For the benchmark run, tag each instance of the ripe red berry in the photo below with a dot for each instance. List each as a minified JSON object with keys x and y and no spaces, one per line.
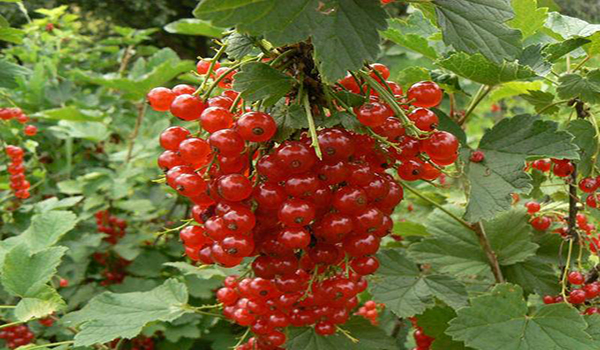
{"x":256,"y":127}
{"x":440,"y":145}
{"x":541,"y":223}
{"x":227,"y":142}
{"x":477,"y":157}
{"x":63,"y":283}
{"x":563,"y":168}
{"x":373,"y":114}
{"x":30,"y":130}
{"x":548,"y":299}
{"x":172,"y":137}
{"x":234,"y":187}
{"x":227,"y":80}
{"x":588,"y":184}
{"x":182,"y":89}
{"x":204,"y":64}
{"x":190,"y":185}
{"x":188,"y":107}
{"x":532,"y":207}
{"x":577,"y":296}
{"x":575,"y":277}
{"x":424,"y":119}
{"x":296,"y":213}
{"x":160,"y":99}
{"x":542,"y":165}
{"x":216,"y":118}
{"x":295,"y":157}
{"x":425,"y":94}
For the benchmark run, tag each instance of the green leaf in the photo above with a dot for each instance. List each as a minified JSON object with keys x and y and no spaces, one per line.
{"x":593,"y":329}
{"x":506,"y":147}
{"x":514,"y":88}
{"x":29,"y":308}
{"x":454,"y":249}
{"x":398,"y":31}
{"x":449,"y":125}
{"x":481,"y":70}
{"x":12,"y":35}
{"x":258,"y":81}
{"x":10,"y":73}
{"x":239,"y":46}
{"x":587,"y":87}
{"x":193,"y":26}
{"x":500,"y":320}
{"x":71,"y":113}
{"x":555,"y":51}
{"x":409,"y":228}
{"x":411,"y":75}
{"x":349,"y":98}
{"x":47,"y":228}
{"x":407,"y":292}
{"x":528,"y":17}
{"x":109,"y":316}
{"x":327,"y":23}
{"x":534,"y":276}
{"x":288,"y":121}
{"x":477,"y":26}
{"x":434,"y":323}
{"x":25,"y":274}
{"x":148,"y":264}
{"x":533,"y":57}
{"x":369,"y":338}
{"x":570,"y":27}
{"x":541,"y":100}
{"x":92,"y":131}
{"x":163,"y":66}
{"x":585,"y":138}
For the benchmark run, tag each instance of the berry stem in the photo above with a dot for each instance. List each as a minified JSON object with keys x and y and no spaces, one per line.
{"x":312,"y":127}
{"x":7,"y":306}
{"x":552,"y":105}
{"x":219,"y":78}
{"x":211,"y":68}
{"x":142,"y":107}
{"x":347,"y":334}
{"x":391,"y":101}
{"x":483,"y":91}
{"x":242,"y":339}
{"x":68,"y":342}
{"x":435,"y":204}
{"x":563,"y":281}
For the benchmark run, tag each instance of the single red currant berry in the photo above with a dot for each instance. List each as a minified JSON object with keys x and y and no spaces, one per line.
{"x":424,"y":119}
{"x":548,"y":299}
{"x":541,"y":223}
{"x":563,"y":168}
{"x":542,"y":165}
{"x":188,"y":107}
{"x":373,"y":114}
{"x":204,"y":64}
{"x":589,"y":184}
{"x":410,"y":170}
{"x":216,"y":118}
{"x":172,"y":137}
{"x":382,"y":71}
{"x":194,"y":151}
{"x":227,"y":80}
{"x":575,"y":277}
{"x":532,"y":207}
{"x":161,"y":98}
{"x":190,"y":185}
{"x":296,"y":213}
{"x":592,"y":201}
{"x":183,"y":89}
{"x":477,"y":157}
{"x":440,"y":145}
{"x":227,"y":142}
{"x":577,"y":296}
{"x":425,"y":94}
{"x":30,"y":130}
{"x":234,"y":187}
{"x":295,"y":157}
{"x":325,"y":328}
{"x":256,"y":127}
{"x":63,"y":283}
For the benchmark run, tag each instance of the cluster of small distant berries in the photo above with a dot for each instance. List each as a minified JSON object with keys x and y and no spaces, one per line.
{"x":581,"y":293}
{"x":16,"y":336}
{"x":14,"y":113}
{"x":16,"y":168}
{"x":110,"y":225}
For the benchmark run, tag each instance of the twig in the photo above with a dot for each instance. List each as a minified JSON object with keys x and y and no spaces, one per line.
{"x":312,"y":129}
{"x":138,"y":122}
{"x":484,"y":90}
{"x":126,"y":58}
{"x":489,"y":252}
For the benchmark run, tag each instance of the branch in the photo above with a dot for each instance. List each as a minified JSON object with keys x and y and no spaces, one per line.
{"x":138,"y":122}
{"x":481,"y":94}
{"x":489,"y":252}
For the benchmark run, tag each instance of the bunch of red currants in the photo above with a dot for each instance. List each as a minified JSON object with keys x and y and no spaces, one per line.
{"x":311,"y":223}
{"x":17,"y":114}
{"x":110,"y":225}
{"x":16,"y":336}
{"x":16,"y":169}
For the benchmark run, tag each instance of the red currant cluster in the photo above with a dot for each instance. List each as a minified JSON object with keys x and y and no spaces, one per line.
{"x":559,"y":167}
{"x":16,"y":336}
{"x":312,"y":224}
{"x":46,"y":322}
{"x":114,"y":268}
{"x":581,"y":292}
{"x":16,"y":169}
{"x":370,"y":311}
{"x":423,"y":340}
{"x":18,"y":115}
{"x":139,"y":343}
{"x":419,"y":156}
{"x":113,"y":226}
{"x":544,"y":222}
